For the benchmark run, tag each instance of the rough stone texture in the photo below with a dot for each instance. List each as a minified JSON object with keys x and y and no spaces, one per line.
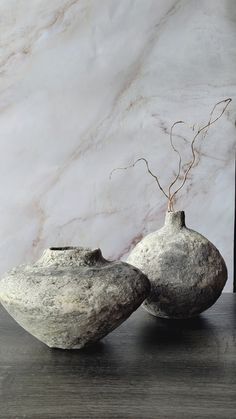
{"x":72,"y":296}
{"x":186,"y":271}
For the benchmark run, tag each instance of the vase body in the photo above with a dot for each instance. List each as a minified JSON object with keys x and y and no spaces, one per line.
{"x":72,"y":296}
{"x":186,"y":271}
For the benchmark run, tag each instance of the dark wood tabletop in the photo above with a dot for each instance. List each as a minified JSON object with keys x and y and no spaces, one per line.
{"x":147,"y":368}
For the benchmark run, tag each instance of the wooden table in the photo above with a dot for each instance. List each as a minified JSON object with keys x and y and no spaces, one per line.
{"x":147,"y":368}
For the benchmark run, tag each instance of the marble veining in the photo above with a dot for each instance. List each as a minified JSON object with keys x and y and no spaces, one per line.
{"x":88,"y":86}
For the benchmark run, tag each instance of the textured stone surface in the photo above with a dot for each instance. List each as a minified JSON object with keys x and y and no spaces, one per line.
{"x":90,"y":85}
{"x":72,"y":296}
{"x":186,"y":271}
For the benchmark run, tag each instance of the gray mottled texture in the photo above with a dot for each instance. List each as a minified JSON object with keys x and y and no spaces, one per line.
{"x":186,"y":271}
{"x":72,"y":296}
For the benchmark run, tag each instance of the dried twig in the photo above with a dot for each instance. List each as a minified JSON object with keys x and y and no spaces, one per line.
{"x":170,"y":204}
{"x":205,"y":127}
{"x":176,"y":151}
{"x":170,"y":196}
{"x":148,"y":169}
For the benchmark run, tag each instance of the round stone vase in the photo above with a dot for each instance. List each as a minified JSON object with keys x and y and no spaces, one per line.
{"x":72,"y":296}
{"x":186,"y":271}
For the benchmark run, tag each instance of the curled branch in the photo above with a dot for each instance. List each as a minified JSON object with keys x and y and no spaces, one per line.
{"x":176,"y":151}
{"x":186,"y":167}
{"x":148,"y":169}
{"x":170,"y":204}
{"x":205,"y":127}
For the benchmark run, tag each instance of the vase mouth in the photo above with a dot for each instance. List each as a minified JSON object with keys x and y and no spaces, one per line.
{"x":175,"y":219}
{"x":175,"y":212}
{"x":62,"y":248}
{"x":71,"y":255}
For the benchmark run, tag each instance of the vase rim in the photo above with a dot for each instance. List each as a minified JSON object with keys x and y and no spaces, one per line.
{"x":68,"y":254}
{"x":175,"y":219}
{"x":68,"y":248}
{"x":175,"y":212}
{"x":61,"y":248}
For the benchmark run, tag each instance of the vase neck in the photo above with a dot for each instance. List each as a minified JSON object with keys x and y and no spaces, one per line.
{"x":175,"y":220}
{"x":71,"y":256}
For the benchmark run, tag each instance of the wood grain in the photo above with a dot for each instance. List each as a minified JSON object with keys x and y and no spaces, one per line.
{"x":147,"y":368}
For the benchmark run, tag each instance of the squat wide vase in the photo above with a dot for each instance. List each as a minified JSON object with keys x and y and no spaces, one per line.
{"x":186,"y":271}
{"x":72,"y":296}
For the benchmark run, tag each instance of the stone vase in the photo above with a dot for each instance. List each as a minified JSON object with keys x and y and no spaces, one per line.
{"x":72,"y":296}
{"x":186,"y":271}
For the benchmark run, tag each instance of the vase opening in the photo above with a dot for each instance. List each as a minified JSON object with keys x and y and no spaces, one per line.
{"x":175,"y":219}
{"x":62,"y":248}
{"x":65,"y":255}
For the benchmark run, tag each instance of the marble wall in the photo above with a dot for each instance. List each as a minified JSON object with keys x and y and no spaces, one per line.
{"x":90,"y":85}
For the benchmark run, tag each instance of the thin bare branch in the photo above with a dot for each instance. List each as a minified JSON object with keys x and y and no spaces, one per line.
{"x":180,"y":157}
{"x":170,"y":204}
{"x":148,"y":169}
{"x":205,"y":127}
{"x":189,"y":165}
